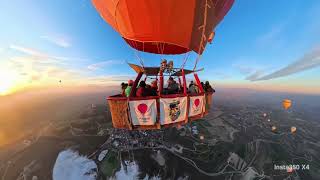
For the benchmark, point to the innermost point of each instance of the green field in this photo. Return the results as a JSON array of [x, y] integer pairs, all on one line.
[[110, 164]]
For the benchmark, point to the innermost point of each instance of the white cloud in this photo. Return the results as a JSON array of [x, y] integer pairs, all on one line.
[[254, 75], [109, 79], [102, 64], [36, 54], [130, 170], [38, 68], [308, 61], [270, 35], [28, 51], [34, 72], [59, 41], [222, 75], [40, 55], [272, 39], [244, 69], [70, 165]]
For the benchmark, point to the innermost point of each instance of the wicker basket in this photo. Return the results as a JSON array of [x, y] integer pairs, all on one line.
[[119, 113], [208, 102]]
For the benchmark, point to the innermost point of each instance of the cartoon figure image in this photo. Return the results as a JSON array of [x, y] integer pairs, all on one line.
[[174, 111]]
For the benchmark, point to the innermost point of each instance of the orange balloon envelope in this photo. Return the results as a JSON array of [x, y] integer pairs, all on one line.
[[286, 104], [164, 26]]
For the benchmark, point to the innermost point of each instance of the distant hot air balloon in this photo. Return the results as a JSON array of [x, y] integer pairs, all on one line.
[[286, 104], [273, 128], [293, 129], [202, 137]]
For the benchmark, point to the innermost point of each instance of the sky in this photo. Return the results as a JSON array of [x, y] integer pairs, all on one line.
[[265, 45]]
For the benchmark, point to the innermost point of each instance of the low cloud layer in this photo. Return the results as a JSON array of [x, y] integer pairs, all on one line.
[[308, 61]]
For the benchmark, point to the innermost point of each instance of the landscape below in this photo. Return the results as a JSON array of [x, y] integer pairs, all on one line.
[[234, 141]]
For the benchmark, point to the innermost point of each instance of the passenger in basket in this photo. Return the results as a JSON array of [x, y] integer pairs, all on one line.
[[129, 87], [154, 85], [142, 90], [202, 84], [150, 91], [208, 88], [153, 90], [173, 86], [123, 88], [193, 89]]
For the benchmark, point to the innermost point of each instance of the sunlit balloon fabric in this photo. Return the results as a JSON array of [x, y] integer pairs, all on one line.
[[286, 104], [164, 26]]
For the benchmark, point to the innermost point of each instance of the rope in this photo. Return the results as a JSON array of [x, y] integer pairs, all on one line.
[[136, 52], [158, 48], [162, 47], [141, 61], [185, 60], [203, 37]]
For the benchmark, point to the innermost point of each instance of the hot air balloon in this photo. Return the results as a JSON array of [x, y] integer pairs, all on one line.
[[293, 129], [201, 137], [286, 104], [162, 27]]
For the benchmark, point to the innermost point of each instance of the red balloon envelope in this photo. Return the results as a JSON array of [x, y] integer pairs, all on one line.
[[164, 26]]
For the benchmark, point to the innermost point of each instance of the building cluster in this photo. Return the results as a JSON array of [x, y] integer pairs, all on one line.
[[124, 139]]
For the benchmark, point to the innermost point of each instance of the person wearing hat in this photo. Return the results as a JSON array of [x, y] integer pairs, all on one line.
[[142, 91], [208, 88], [123, 88], [154, 88], [173, 87], [193, 88], [129, 87]]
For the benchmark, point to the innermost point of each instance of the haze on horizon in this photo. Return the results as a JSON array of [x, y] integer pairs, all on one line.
[[69, 42]]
